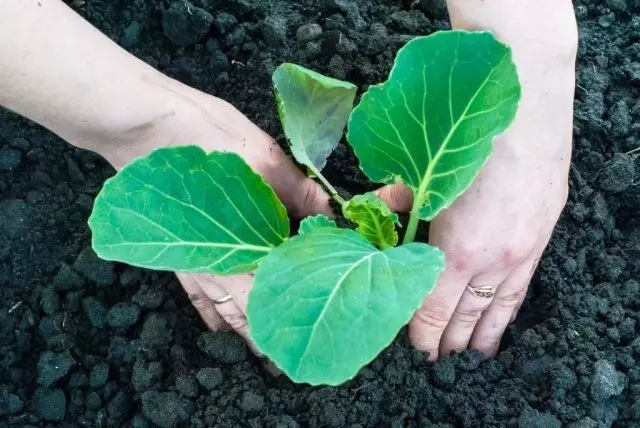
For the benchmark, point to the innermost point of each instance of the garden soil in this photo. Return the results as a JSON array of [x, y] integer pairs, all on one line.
[[89, 343]]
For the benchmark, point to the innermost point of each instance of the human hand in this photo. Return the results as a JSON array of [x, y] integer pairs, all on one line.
[[200, 119], [494, 235]]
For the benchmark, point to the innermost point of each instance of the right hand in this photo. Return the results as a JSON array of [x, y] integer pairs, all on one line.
[[206, 121]]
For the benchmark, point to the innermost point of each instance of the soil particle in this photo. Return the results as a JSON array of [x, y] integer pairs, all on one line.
[[49, 404], [274, 31], [607, 381], [9, 403], [49, 300], [67, 279], [165, 409], [251, 402], [187, 385], [618, 174], [210, 377], [99, 375], [225, 347], [145, 374], [123, 315], [308, 32], [95, 310], [619, 6], [9, 159], [533, 419], [156, 332], [53, 367], [16, 217], [185, 24], [131, 35], [94, 268]]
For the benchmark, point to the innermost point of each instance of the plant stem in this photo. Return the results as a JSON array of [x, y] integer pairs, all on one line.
[[414, 218], [329, 187]]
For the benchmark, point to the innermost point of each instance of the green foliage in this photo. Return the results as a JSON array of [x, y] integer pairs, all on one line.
[[315, 222], [375, 220], [183, 210], [325, 303], [432, 123], [314, 110]]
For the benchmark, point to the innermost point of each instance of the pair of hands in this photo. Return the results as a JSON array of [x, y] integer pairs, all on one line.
[[493, 235]]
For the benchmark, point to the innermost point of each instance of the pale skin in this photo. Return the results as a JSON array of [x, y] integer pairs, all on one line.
[[59, 71]]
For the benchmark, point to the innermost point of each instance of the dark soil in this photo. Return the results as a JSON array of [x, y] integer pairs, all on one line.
[[90, 343]]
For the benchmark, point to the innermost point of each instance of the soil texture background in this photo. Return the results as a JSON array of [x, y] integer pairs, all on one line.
[[89, 343]]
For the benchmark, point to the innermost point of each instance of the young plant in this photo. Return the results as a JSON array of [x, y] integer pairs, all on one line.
[[328, 300]]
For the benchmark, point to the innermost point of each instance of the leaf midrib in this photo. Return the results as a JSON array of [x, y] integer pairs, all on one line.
[[329, 300], [426, 179]]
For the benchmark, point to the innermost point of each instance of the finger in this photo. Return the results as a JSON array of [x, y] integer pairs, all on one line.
[[202, 302], [301, 195], [233, 311], [429, 322], [397, 196], [489, 330], [470, 308]]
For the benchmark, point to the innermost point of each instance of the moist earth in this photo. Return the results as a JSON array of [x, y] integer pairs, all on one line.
[[89, 343]]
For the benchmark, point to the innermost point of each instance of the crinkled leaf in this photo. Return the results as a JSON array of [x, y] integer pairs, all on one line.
[[316, 222], [314, 110], [180, 209], [327, 302], [375, 220], [432, 123]]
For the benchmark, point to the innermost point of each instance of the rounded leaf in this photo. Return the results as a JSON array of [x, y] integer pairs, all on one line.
[[327, 302], [432, 123], [180, 209]]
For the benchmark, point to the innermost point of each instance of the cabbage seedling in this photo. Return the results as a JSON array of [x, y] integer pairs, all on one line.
[[328, 300]]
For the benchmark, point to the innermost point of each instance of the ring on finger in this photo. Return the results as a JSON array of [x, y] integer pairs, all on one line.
[[223, 299], [482, 291]]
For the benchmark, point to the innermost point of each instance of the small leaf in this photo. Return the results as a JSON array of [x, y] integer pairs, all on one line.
[[316, 222], [327, 302], [314, 110], [432, 123], [180, 209], [375, 220]]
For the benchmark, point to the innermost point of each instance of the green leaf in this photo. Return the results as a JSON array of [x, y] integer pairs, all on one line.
[[375, 220], [327, 302], [318, 221], [432, 123], [314, 110], [180, 209]]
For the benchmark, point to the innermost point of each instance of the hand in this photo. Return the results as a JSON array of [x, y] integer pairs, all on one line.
[[495, 234], [200, 119]]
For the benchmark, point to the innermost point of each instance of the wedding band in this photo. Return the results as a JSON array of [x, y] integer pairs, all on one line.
[[223, 299], [485, 291]]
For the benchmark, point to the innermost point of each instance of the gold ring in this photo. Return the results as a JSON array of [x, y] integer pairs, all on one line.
[[223, 299], [485, 291]]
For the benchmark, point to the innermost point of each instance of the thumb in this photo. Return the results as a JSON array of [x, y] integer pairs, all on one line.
[[397, 196], [301, 195]]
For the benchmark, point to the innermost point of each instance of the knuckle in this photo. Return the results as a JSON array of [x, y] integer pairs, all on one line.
[[310, 194], [467, 317], [512, 257], [236, 320], [433, 318], [199, 301], [510, 300]]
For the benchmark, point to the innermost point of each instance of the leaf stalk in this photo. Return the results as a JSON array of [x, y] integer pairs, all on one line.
[[329, 187]]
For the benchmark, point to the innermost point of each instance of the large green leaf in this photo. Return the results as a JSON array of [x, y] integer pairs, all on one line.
[[318, 221], [432, 123], [375, 220], [314, 110], [183, 210], [327, 302]]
